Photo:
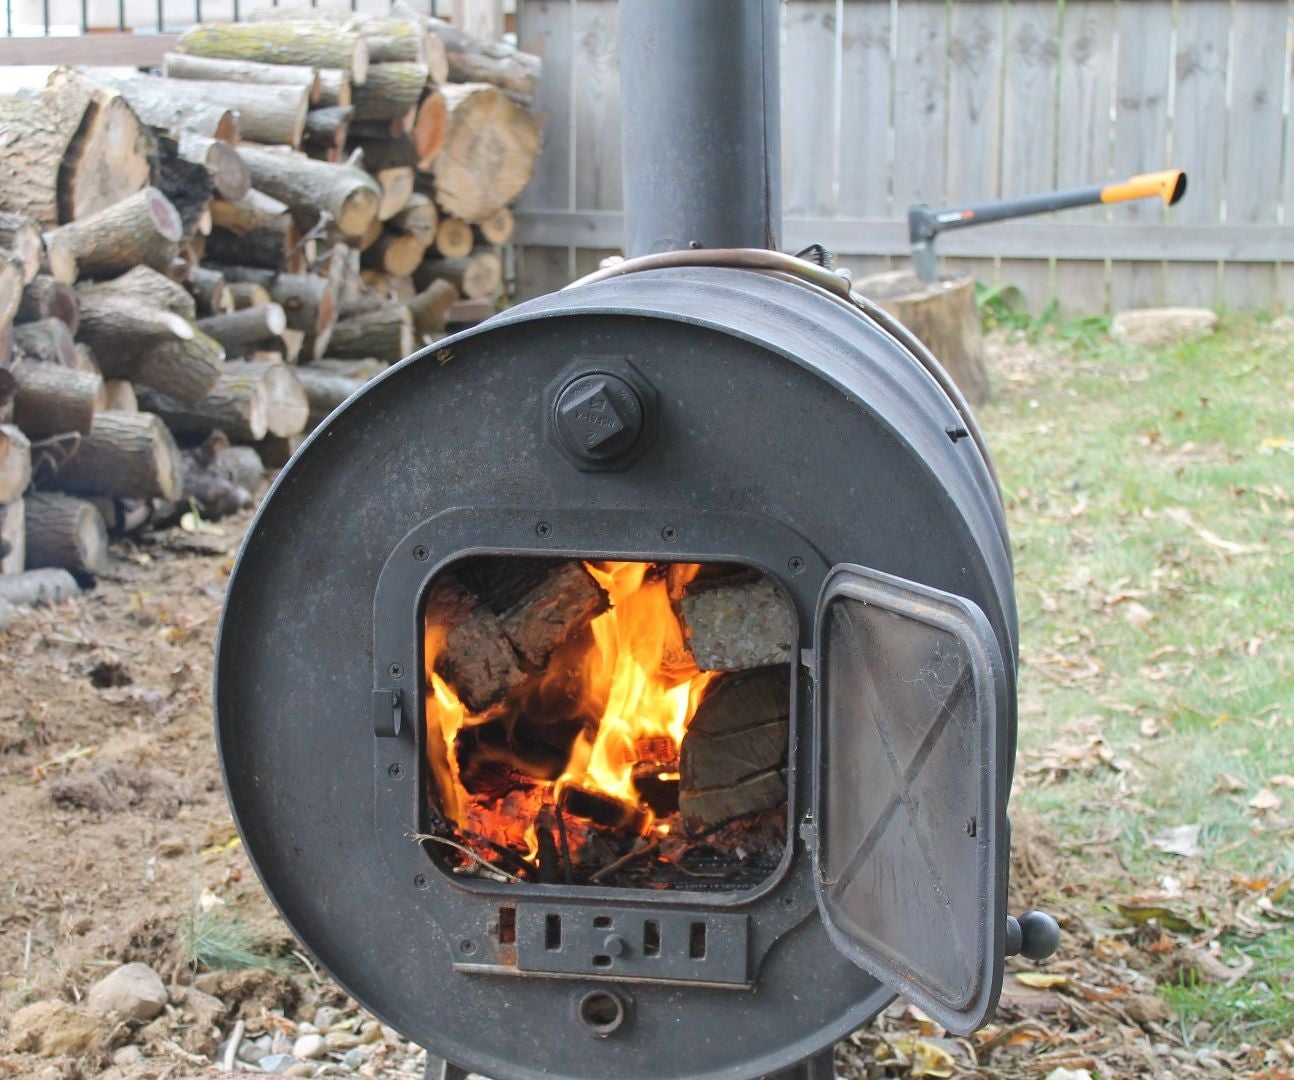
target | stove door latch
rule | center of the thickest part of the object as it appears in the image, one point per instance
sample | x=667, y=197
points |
x=388, y=713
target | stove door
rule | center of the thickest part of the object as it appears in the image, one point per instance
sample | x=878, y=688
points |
x=911, y=834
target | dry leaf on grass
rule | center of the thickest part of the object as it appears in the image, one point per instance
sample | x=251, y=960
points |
x=1265, y=800
x=1181, y=840
x=1137, y=615
x=1226, y=784
x=1041, y=980
x=1217, y=543
x=1155, y=915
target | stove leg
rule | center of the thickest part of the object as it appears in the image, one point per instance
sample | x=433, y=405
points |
x=819, y=1067
x=440, y=1069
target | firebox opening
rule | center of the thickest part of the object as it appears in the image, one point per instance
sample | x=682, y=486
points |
x=607, y=723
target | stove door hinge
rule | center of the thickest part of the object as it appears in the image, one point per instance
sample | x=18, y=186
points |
x=388, y=713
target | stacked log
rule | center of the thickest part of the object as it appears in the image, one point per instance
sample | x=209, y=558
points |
x=230, y=248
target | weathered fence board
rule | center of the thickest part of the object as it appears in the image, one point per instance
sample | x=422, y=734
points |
x=891, y=102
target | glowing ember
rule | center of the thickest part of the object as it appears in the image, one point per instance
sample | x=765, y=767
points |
x=630, y=683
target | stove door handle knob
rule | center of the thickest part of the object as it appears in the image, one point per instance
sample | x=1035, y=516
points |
x=1035, y=935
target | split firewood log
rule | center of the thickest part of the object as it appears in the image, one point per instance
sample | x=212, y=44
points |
x=386, y=333
x=705, y=810
x=66, y=532
x=15, y=463
x=391, y=90
x=47, y=340
x=184, y=369
x=489, y=151
x=11, y=287
x=467, y=646
x=72, y=149
x=454, y=238
x=268, y=114
x=221, y=479
x=48, y=298
x=236, y=406
x=327, y=128
x=242, y=331
x=741, y=727
x=214, y=69
x=143, y=284
x=255, y=210
x=142, y=229
x=229, y=176
x=188, y=185
x=274, y=247
x=419, y=218
x=211, y=292
x=120, y=329
x=245, y=294
x=394, y=253
x=397, y=186
x=334, y=88
x=325, y=390
x=360, y=370
x=430, y=308
x=472, y=59
x=38, y=588
x=348, y=194
x=13, y=539
x=51, y=400
x=20, y=236
x=119, y=396
x=313, y=44
x=128, y=454
x=310, y=303
x=276, y=450
x=497, y=229
x=85, y=360
x=567, y=600
x=733, y=624
x=477, y=277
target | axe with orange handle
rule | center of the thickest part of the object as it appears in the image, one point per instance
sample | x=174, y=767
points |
x=925, y=224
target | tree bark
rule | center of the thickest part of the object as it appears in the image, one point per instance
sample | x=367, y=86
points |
x=274, y=248
x=48, y=298
x=430, y=308
x=66, y=532
x=214, y=69
x=489, y=151
x=148, y=286
x=210, y=292
x=15, y=463
x=242, y=331
x=53, y=400
x=268, y=114
x=347, y=193
x=229, y=176
x=187, y=184
x=363, y=370
x=325, y=390
x=238, y=405
x=119, y=396
x=20, y=236
x=143, y=229
x=395, y=253
x=47, y=340
x=473, y=60
x=308, y=43
x=73, y=149
x=131, y=455
x=477, y=277
x=454, y=238
x=386, y=334
x=391, y=91
x=247, y=294
x=334, y=87
x=13, y=542
x=186, y=370
x=419, y=218
x=327, y=128
x=121, y=328
x=943, y=315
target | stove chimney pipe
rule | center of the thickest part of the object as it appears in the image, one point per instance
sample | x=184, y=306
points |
x=700, y=124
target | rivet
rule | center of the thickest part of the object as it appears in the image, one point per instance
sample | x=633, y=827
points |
x=543, y=530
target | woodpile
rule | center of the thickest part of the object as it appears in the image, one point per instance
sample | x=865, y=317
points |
x=197, y=265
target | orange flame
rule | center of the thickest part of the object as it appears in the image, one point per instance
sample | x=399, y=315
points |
x=637, y=678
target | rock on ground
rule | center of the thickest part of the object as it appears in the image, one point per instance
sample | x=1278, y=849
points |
x=132, y=992
x=54, y=1028
x=1156, y=328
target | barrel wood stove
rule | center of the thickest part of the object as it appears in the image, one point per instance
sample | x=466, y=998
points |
x=625, y=687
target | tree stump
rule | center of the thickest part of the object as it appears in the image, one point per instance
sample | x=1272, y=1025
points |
x=943, y=315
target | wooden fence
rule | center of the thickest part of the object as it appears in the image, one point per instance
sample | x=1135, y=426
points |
x=890, y=102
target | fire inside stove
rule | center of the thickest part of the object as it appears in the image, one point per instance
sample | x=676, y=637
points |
x=607, y=723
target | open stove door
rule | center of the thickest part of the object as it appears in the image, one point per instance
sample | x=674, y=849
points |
x=911, y=833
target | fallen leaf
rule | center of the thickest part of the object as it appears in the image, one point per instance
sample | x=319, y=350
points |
x=1137, y=615
x=1281, y=780
x=1155, y=914
x=924, y=1057
x=1149, y=727
x=1226, y=784
x=1068, y=1074
x=1181, y=840
x=1041, y=980
x=1265, y=800
x=1217, y=543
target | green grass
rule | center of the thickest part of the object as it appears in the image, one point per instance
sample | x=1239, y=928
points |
x=217, y=941
x=1258, y=1005
x=1128, y=477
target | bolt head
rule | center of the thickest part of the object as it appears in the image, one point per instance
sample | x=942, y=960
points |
x=598, y=416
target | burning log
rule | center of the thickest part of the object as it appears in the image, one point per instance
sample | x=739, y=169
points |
x=602, y=809
x=566, y=601
x=66, y=532
x=45, y=297
x=704, y=811
x=52, y=399
x=142, y=229
x=15, y=463
x=72, y=150
x=740, y=728
x=476, y=658
x=307, y=43
x=736, y=624
x=127, y=454
x=488, y=154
